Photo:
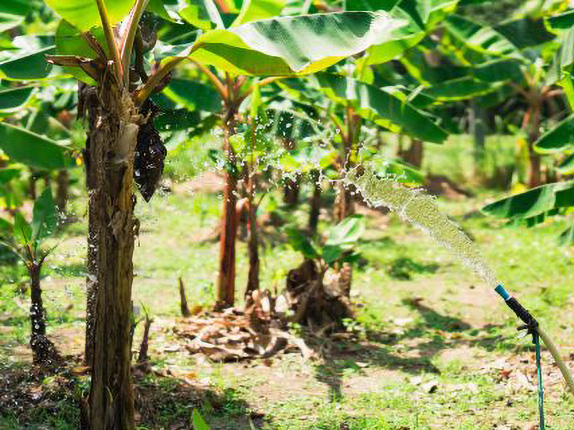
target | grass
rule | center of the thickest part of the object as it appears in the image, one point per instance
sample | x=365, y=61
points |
x=423, y=320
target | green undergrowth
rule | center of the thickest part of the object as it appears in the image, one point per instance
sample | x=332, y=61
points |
x=423, y=320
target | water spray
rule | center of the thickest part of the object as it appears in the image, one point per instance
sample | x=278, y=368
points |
x=421, y=210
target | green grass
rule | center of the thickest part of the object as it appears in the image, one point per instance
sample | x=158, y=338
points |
x=375, y=381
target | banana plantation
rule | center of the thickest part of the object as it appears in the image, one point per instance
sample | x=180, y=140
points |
x=286, y=214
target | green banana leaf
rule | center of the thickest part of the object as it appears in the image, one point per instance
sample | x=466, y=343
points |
x=563, y=21
x=12, y=13
x=45, y=217
x=14, y=98
x=253, y=10
x=458, y=89
x=28, y=66
x=534, y=202
x=83, y=14
x=202, y=14
x=559, y=139
x=566, y=167
x=480, y=38
x=525, y=33
x=193, y=95
x=9, y=173
x=563, y=59
x=567, y=237
x=36, y=151
x=498, y=71
x=289, y=46
x=381, y=106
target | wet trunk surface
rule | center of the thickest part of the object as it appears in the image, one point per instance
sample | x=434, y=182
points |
x=110, y=155
x=315, y=202
x=291, y=191
x=253, y=245
x=229, y=221
x=345, y=202
x=345, y=208
x=63, y=185
x=535, y=171
x=414, y=155
x=478, y=128
x=185, y=312
x=43, y=350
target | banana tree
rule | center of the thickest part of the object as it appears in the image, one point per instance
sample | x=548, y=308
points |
x=25, y=239
x=235, y=87
x=536, y=205
x=109, y=58
x=527, y=43
x=21, y=146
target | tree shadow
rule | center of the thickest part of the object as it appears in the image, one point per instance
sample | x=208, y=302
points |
x=376, y=349
x=32, y=397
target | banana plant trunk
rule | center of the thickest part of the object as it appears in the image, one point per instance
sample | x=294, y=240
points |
x=110, y=149
x=478, y=128
x=291, y=186
x=62, y=190
x=43, y=350
x=345, y=206
x=414, y=155
x=253, y=245
x=229, y=221
x=535, y=173
x=315, y=202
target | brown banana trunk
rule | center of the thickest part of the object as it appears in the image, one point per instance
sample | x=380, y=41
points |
x=226, y=279
x=63, y=184
x=185, y=312
x=32, y=186
x=345, y=206
x=253, y=245
x=110, y=149
x=144, y=346
x=315, y=202
x=291, y=191
x=535, y=174
x=532, y=120
x=414, y=155
x=43, y=350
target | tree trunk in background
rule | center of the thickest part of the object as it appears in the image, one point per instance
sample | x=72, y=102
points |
x=62, y=190
x=344, y=209
x=32, y=186
x=315, y=202
x=291, y=187
x=43, y=350
x=478, y=129
x=47, y=180
x=400, y=146
x=344, y=206
x=253, y=245
x=110, y=148
x=414, y=155
x=185, y=312
x=291, y=190
x=531, y=125
x=226, y=279
x=535, y=174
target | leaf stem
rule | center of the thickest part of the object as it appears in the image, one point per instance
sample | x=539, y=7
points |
x=261, y=83
x=568, y=86
x=221, y=89
x=129, y=36
x=110, y=39
x=161, y=73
